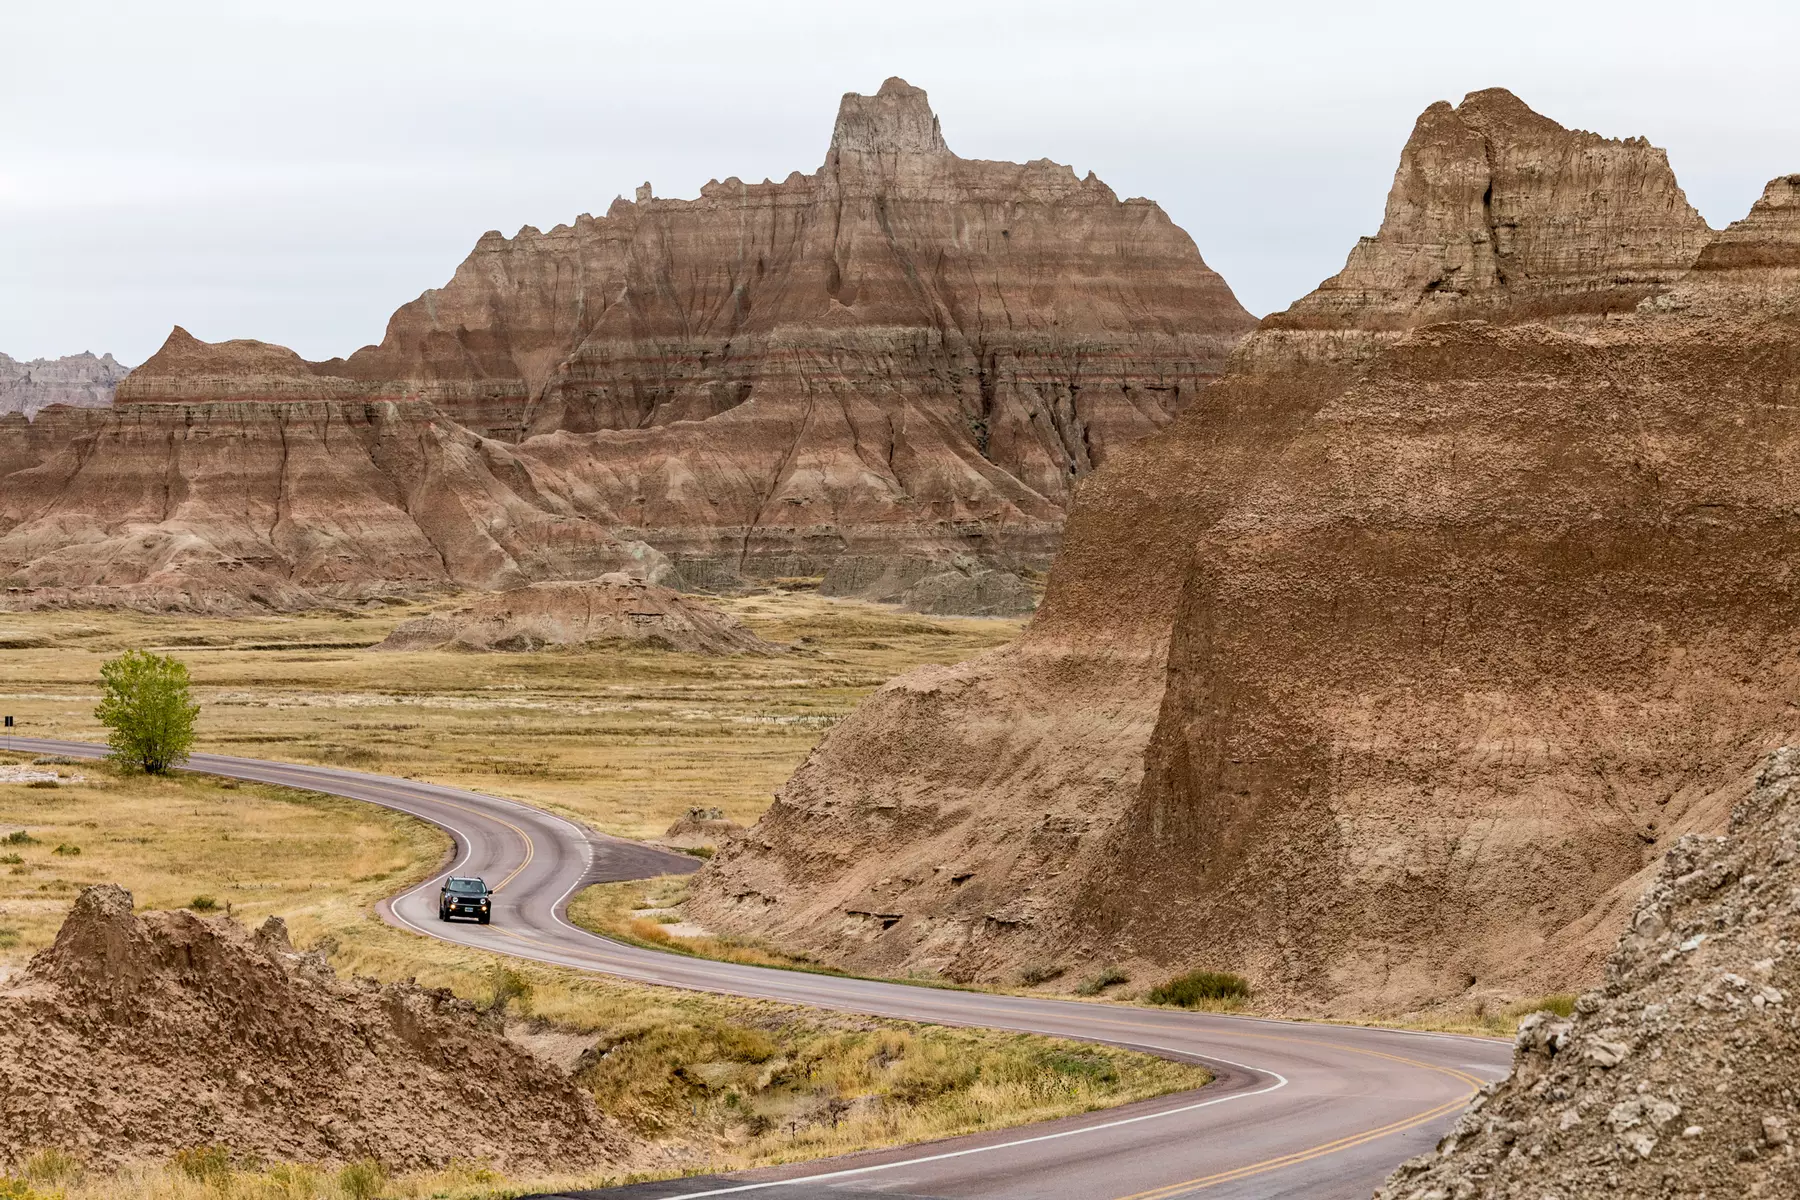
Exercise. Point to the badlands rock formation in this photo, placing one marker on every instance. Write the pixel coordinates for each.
(224, 506)
(1384, 674)
(80, 380)
(133, 1037)
(889, 372)
(613, 608)
(1680, 1076)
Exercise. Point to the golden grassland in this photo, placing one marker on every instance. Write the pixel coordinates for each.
(626, 739)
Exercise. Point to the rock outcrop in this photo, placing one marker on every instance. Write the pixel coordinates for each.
(78, 380)
(613, 608)
(133, 1037)
(223, 507)
(906, 357)
(1385, 672)
(1680, 1076)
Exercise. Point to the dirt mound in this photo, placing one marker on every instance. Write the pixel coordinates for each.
(135, 1036)
(1681, 1075)
(700, 829)
(613, 608)
(1385, 674)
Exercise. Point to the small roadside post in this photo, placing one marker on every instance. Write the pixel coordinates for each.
(9, 722)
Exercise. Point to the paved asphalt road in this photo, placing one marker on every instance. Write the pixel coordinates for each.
(1297, 1110)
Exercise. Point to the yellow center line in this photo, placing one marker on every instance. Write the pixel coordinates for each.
(1168, 1191)
(530, 847)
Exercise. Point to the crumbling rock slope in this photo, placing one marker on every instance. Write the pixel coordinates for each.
(876, 373)
(1384, 674)
(80, 380)
(613, 608)
(133, 1037)
(1680, 1076)
(227, 506)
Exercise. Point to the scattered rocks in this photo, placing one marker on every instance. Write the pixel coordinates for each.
(1701, 1096)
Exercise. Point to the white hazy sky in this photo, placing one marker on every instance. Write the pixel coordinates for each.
(294, 171)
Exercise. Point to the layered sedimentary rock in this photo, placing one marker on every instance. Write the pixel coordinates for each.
(79, 380)
(903, 358)
(1677, 1076)
(611, 609)
(224, 506)
(134, 1037)
(187, 370)
(1383, 674)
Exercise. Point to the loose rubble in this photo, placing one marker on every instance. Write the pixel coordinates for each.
(1680, 1076)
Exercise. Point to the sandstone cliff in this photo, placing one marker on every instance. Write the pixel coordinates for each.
(80, 380)
(1381, 675)
(889, 372)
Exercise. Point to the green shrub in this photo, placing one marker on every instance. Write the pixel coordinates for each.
(204, 1164)
(18, 837)
(1108, 977)
(508, 987)
(53, 1166)
(203, 904)
(1198, 987)
(1042, 973)
(66, 850)
(11, 860)
(8, 938)
(362, 1180)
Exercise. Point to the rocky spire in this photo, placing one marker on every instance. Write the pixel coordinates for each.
(892, 128)
(1496, 207)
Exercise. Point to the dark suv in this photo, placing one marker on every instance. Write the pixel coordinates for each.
(464, 898)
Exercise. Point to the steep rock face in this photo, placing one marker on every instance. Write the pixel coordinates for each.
(1678, 1076)
(133, 1037)
(224, 506)
(906, 356)
(1379, 675)
(79, 380)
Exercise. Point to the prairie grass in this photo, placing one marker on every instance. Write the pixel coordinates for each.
(624, 738)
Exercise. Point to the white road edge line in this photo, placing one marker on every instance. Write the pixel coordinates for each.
(1280, 1082)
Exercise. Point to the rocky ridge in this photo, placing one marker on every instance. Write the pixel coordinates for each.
(886, 372)
(613, 608)
(1383, 674)
(79, 380)
(1680, 1075)
(135, 1036)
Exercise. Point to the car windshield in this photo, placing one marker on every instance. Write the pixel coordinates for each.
(467, 887)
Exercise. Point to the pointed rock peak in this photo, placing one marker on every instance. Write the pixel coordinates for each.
(895, 121)
(179, 337)
(1493, 108)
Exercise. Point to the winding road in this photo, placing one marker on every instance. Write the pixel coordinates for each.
(1297, 1110)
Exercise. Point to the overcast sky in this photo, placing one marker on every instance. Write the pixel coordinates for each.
(295, 171)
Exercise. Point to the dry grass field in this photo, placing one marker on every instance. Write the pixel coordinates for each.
(627, 740)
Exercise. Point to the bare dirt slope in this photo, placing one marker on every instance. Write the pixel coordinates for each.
(613, 608)
(133, 1037)
(1678, 1076)
(1384, 674)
